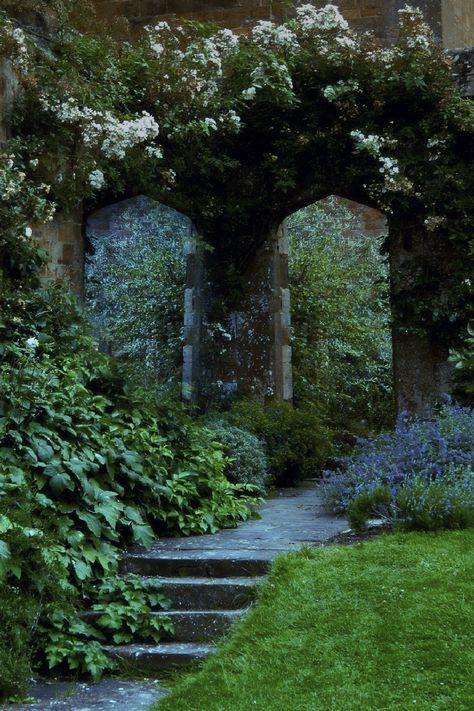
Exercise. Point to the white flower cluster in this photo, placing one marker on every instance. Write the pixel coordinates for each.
(435, 147)
(333, 92)
(196, 69)
(411, 13)
(267, 34)
(420, 35)
(250, 93)
(372, 144)
(273, 73)
(229, 120)
(327, 18)
(124, 135)
(32, 343)
(433, 222)
(381, 55)
(418, 42)
(103, 129)
(96, 180)
(18, 50)
(389, 167)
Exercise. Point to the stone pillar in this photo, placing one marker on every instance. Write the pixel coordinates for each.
(422, 373)
(8, 91)
(237, 324)
(63, 240)
(193, 312)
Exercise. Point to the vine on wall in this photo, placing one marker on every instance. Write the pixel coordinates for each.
(218, 126)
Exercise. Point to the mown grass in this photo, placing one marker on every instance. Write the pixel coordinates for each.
(383, 625)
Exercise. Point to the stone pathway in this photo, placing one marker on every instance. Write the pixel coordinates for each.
(113, 694)
(210, 581)
(290, 519)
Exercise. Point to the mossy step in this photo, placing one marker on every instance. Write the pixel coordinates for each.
(201, 625)
(191, 625)
(209, 593)
(155, 658)
(200, 564)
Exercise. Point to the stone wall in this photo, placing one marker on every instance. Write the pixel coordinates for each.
(238, 15)
(63, 239)
(8, 89)
(458, 23)
(451, 20)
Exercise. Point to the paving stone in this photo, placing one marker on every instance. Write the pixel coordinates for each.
(114, 694)
(289, 519)
(148, 658)
(209, 593)
(210, 580)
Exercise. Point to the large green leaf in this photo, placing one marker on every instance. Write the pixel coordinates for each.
(92, 522)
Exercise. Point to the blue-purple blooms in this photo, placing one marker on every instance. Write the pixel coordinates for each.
(426, 469)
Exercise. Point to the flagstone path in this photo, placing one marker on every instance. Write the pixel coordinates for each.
(210, 582)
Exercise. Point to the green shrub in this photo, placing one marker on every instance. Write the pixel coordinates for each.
(341, 338)
(367, 505)
(297, 440)
(248, 463)
(464, 360)
(87, 467)
(18, 615)
(446, 502)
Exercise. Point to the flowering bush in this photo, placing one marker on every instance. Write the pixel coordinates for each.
(421, 474)
(282, 117)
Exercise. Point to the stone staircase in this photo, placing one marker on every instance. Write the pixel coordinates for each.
(208, 591)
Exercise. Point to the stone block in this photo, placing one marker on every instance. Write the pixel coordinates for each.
(153, 8)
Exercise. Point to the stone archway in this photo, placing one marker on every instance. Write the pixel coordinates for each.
(241, 284)
(136, 254)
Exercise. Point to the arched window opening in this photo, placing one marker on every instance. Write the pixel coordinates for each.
(135, 279)
(341, 325)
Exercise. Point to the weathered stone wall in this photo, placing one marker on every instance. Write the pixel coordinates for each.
(235, 14)
(451, 20)
(458, 23)
(63, 239)
(8, 89)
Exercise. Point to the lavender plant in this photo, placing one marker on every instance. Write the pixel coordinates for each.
(420, 475)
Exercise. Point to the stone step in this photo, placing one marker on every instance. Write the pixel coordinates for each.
(154, 658)
(209, 593)
(201, 564)
(191, 625)
(201, 625)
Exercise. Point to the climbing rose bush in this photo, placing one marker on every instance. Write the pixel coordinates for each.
(421, 474)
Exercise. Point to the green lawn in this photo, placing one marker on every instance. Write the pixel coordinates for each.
(382, 625)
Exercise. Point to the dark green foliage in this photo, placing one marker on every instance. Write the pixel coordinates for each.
(248, 463)
(88, 466)
(119, 611)
(464, 360)
(341, 341)
(298, 441)
(18, 615)
(446, 502)
(369, 503)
